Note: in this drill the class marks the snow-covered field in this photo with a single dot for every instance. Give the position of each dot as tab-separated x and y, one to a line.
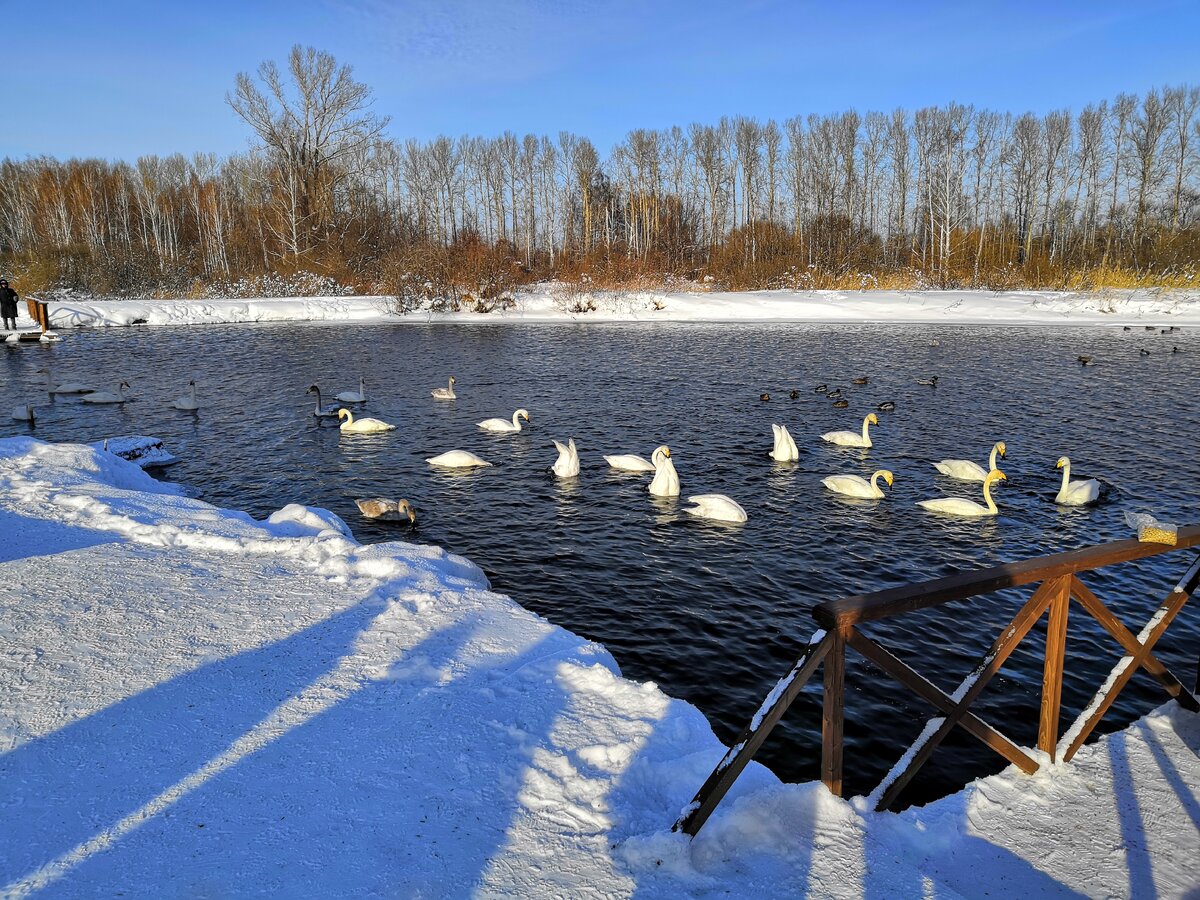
193	702
551	304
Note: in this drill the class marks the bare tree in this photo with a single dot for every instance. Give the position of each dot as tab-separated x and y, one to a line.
309	124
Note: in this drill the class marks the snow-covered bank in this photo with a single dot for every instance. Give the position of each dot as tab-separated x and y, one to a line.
195	702
551	304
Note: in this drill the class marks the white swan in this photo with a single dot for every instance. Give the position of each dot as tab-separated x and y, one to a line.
503	425
854	486
107	396
446	393
785	448
965	470
24	413
1075	493
319	411
666	480
387	510
715	506
362	426
567	464
850	438
188	403
71	387
359	396
959	506
457	459
630	462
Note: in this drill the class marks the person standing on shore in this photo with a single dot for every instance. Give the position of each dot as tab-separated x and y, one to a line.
8	306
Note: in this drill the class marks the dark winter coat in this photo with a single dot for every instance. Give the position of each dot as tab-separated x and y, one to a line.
8	303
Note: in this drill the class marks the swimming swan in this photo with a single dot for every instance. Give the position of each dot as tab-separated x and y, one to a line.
387	510
505	426
71	387
849	438
1075	493
457	459
446	393
107	397
854	486
666	479
24	413
630	462
717	507
567	464
359	396
965	470
785	448
362	426
959	506
322	412
188	403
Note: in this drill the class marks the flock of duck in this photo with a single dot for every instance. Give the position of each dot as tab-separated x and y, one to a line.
665	481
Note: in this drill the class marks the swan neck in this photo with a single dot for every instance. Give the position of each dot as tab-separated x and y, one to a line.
992	459
1066	475
987	496
517	420
866	425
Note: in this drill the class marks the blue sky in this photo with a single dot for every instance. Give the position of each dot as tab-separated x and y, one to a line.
119	79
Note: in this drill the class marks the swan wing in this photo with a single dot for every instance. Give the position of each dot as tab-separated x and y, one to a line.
1079	493
844	438
630	462
716	506
666	480
955	506
962	469
849	485
457	459
496	425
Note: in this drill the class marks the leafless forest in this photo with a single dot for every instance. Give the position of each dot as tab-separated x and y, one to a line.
943	196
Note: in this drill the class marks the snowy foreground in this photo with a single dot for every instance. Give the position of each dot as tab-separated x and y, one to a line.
550	303
195	703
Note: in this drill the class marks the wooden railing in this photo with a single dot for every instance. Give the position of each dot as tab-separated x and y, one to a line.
1058	581
39	311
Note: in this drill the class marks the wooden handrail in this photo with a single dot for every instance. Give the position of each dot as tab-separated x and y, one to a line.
1059	584
961	585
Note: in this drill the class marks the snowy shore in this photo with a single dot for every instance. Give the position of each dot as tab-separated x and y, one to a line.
550	304
193	702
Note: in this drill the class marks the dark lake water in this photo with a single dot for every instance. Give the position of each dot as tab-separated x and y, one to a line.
714	614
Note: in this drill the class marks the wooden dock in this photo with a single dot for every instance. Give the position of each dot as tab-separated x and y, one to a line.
38	333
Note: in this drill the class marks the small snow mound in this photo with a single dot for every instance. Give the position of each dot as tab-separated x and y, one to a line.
145	451
297	520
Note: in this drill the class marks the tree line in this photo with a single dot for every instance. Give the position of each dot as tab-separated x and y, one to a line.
944	196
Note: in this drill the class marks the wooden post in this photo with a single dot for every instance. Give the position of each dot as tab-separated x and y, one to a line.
833	713
1052	672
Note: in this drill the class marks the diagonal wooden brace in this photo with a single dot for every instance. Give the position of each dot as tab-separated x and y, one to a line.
1125	638
1138	653
943	702
743	750
896	780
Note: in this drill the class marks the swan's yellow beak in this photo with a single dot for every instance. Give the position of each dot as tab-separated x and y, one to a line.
1062	461
999	476
887	476
1003	449
666	451
873	419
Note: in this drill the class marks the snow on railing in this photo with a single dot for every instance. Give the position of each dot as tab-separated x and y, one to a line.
1057	577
